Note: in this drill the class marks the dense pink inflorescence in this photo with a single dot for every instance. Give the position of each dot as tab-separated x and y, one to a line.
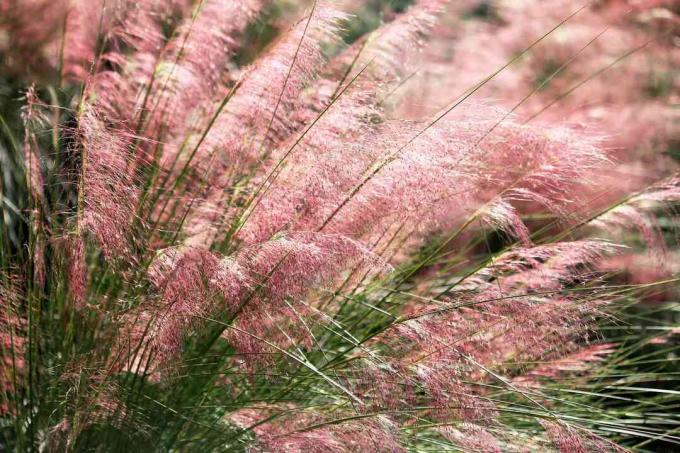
108	192
413	170
311	198
569	440
377	433
195	62
471	437
565	76
574	363
284	269
260	286
192	284
506	315
264	106
280	187
86	22
12	341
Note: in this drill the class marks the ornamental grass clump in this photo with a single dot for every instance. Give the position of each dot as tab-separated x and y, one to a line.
221	231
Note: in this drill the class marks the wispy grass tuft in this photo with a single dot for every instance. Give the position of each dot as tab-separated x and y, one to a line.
250	226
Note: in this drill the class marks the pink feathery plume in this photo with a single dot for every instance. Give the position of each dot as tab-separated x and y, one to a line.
193	285
402	38
287	268
317	170
376	434
76	258
506	313
503	216
388	51
112	26
288	66
568	439
380	384
471	437
108	192
420	172
547	266
263	105
569	365
666	191
523	329
374	62
292	263
362	106
351	113
649	126
13	331
107	123
477	49
116	27
411	373
517	163
635	116
32	118
87	22
644	268
622	218
253	286
124	70
637	213
194	63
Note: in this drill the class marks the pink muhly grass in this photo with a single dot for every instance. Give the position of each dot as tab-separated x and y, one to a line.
471	437
285	268
567	439
77	269
252	286
32	119
194	62
636	213
122	69
193	284
372	434
573	64
516	318
31	29
86	22
396	42
574	363
263	105
307	62
12	342
274	84
219	273
122	24
108	191
403	186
